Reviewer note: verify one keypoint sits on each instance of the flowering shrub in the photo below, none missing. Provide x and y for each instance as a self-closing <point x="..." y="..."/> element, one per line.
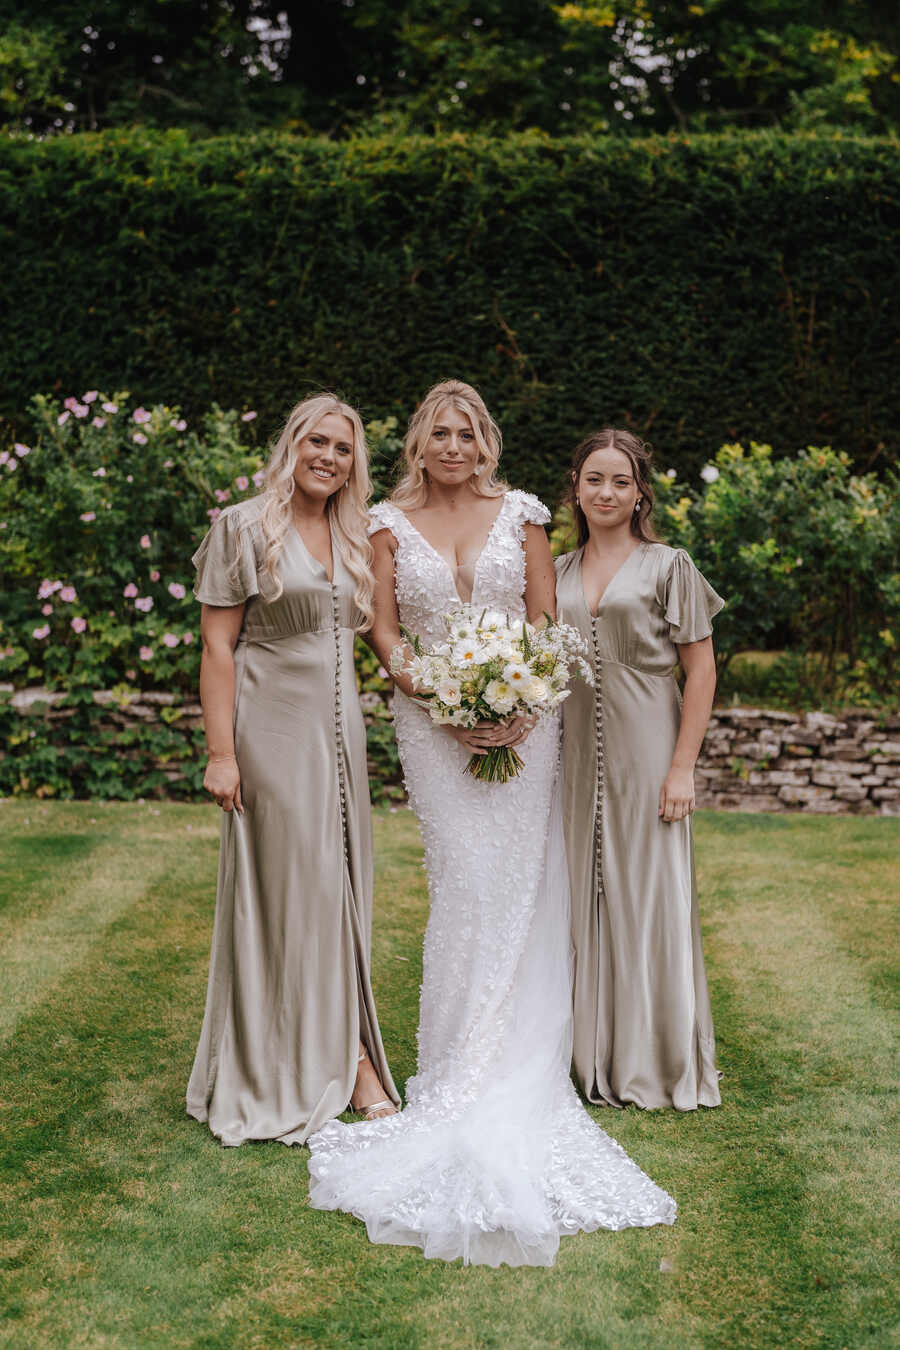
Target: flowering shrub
<point x="99" y="515"/>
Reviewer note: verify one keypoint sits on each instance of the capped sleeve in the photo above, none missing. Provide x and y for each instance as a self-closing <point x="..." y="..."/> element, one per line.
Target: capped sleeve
<point x="382" y="516"/>
<point x="528" y="509"/>
<point x="691" y="603"/>
<point x="226" y="563"/>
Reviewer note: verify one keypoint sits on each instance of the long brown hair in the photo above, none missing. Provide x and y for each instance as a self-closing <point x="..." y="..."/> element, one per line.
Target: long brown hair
<point x="639" y="455"/>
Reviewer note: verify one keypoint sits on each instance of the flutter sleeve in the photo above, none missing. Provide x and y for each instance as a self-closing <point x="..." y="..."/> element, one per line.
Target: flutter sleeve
<point x="691" y="603"/>
<point x="529" y="510"/>
<point x="226" y="563"/>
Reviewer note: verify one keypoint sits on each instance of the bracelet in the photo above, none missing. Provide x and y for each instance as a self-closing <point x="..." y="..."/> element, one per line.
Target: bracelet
<point x="217" y="759"/>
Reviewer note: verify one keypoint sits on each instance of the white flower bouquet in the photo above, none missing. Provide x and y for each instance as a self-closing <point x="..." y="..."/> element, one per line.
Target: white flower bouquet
<point x="490" y="670"/>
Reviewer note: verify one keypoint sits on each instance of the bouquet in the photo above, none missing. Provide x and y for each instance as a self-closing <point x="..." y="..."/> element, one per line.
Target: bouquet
<point x="489" y="670"/>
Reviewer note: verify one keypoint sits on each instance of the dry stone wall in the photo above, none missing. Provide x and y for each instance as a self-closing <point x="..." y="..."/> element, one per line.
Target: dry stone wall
<point x="757" y="759"/>
<point x="753" y="759"/>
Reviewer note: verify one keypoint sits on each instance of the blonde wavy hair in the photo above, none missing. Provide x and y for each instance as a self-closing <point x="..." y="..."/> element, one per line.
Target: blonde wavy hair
<point x="412" y="489"/>
<point x="346" y="509"/>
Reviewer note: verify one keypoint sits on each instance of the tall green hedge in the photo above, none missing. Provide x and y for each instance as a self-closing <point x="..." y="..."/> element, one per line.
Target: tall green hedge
<point x="699" y="289"/>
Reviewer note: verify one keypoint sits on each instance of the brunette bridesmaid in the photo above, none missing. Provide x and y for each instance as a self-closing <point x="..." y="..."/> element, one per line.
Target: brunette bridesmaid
<point x="290" y="1035"/>
<point x="643" y="1025"/>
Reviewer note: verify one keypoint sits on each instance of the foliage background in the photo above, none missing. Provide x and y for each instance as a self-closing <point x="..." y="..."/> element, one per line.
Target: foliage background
<point x="698" y="289"/>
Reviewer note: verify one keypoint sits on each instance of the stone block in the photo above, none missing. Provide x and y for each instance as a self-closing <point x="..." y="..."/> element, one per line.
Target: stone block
<point x="876" y="747"/>
<point x="826" y="806"/>
<point x="803" y="794"/>
<point x="889" y="808"/>
<point x="845" y="746"/>
<point x="761" y="801"/>
<point x="886" y="794"/>
<point x="751" y="749"/>
<point x="871" y="780"/>
<point x="777" y="778"/>
<point x="833" y="725"/>
<point x="800" y="735"/>
<point x="826" y="777"/>
<point x="851" y="792"/>
<point x="798" y="751"/>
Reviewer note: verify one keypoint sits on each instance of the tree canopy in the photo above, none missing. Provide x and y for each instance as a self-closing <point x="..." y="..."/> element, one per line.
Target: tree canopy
<point x="335" y="67"/>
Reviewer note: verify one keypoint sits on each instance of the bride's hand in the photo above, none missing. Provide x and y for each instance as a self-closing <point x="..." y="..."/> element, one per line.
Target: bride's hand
<point x="485" y="736"/>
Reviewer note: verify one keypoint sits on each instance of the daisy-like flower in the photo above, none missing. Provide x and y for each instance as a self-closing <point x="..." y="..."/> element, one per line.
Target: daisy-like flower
<point x="145" y="541"/>
<point x="98" y="421"/>
<point x="46" y="609"/>
<point x="130" y="591"/>
<point x="79" y="624"/>
<point x="110" y="408"/>
<point x="42" y="632"/>
<point x="144" y="603"/>
<point x="90" y="396"/>
<point x="179" y="424"/>
<point x="187" y="639"/>
<point x="22" y="450"/>
<point x="139" y="438"/>
<point x="517" y="674"/>
<point x="99" y="473"/>
<point x="176" y="589"/>
<point x="170" y="640"/>
<point x="242" y="482"/>
<point x="141" y="416"/>
<point x="709" y="473"/>
<point x="68" y="594"/>
<point x="146" y="653"/>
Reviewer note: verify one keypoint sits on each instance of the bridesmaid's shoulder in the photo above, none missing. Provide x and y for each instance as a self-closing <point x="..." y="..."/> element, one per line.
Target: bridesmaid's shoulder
<point x="566" y="561"/>
<point x="243" y="515"/>
<point x="664" y="555"/>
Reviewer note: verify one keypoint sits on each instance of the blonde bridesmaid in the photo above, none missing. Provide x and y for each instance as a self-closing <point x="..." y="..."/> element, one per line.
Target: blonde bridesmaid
<point x="643" y="1025"/>
<point x="290" y="1034"/>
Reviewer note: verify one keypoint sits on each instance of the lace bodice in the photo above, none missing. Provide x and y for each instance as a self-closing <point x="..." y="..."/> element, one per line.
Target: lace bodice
<point x="426" y="590"/>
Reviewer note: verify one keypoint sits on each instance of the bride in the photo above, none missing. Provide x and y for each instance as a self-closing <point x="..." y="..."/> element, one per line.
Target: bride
<point x="494" y="1158"/>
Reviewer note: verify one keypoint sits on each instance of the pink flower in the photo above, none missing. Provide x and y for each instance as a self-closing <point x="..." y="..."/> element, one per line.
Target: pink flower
<point x="99" y="473"/>
<point x="63" y="417"/>
<point x="242" y="483"/>
<point x="188" y="639"/>
<point x="141" y="416"/>
<point x="170" y="640"/>
<point x="98" y="421"/>
<point x="146" y="653"/>
<point x="88" y="516"/>
<point x="130" y="591"/>
<point x="144" y="603"/>
<point x="180" y="424"/>
<point x="154" y="576"/>
<point x="247" y="416"/>
<point x="46" y="609"/>
<point x="139" y="438"/>
<point x="129" y="478"/>
<point x="68" y="594"/>
<point x="79" y="624"/>
<point x="214" y="513"/>
<point x="145" y="541"/>
<point x="42" y="632"/>
<point x="12" y="465"/>
<point x="223" y="495"/>
<point x="4" y="456"/>
<point x="22" y="450"/>
<point x="110" y="407"/>
<point x="90" y="396"/>
<point x="176" y="589"/>
<point x="259" y="477"/>
<point x="81" y="410"/>
<point x="168" y="464"/>
<point x="130" y="674"/>
<point x="47" y="588"/>
<point x="70" y="402"/>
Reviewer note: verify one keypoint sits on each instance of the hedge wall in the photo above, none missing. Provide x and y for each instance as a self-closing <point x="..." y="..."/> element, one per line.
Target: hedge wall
<point x="700" y="289"/>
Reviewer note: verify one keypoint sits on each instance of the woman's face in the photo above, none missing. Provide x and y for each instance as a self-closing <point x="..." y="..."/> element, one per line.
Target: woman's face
<point x="324" y="458"/>
<point x="451" y="452"/>
<point x="607" y="489"/>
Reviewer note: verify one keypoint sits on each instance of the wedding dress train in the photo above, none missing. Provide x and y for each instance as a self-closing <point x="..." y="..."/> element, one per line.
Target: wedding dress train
<point x="494" y="1157"/>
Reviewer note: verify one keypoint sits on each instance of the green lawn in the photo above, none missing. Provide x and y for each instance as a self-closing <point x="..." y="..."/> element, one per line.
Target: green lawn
<point x="124" y="1224"/>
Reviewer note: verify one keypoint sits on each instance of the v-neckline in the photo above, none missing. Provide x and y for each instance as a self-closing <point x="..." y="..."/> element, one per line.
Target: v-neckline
<point x="484" y="547"/>
<point x="317" y="562"/>
<point x="594" y="613"/>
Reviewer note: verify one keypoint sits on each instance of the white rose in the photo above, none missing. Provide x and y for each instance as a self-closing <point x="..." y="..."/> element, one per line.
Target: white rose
<point x="537" y="690"/>
<point x="449" y="691"/>
<point x="500" y="696"/>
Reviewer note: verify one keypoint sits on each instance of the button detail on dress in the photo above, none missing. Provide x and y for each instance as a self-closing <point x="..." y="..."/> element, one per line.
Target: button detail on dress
<point x="598" y="725"/>
<point x="338" y="713"/>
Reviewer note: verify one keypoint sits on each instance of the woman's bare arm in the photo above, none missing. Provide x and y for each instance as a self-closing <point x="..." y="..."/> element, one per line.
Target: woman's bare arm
<point x="220" y="629"/>
<point x="540" y="577"/>
<point x="676" y="798"/>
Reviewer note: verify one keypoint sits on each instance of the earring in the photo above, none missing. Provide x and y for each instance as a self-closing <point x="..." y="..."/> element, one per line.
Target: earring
<point x="577" y="501"/>
<point x="479" y="469"/>
<point x="637" y="505"/>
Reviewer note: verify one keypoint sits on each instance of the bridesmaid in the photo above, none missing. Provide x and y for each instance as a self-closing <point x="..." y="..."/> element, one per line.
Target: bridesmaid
<point x="290" y="1034"/>
<point x="643" y="1025"/>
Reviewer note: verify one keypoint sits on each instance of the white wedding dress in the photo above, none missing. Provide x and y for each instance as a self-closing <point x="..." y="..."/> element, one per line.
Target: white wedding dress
<point x="494" y="1157"/>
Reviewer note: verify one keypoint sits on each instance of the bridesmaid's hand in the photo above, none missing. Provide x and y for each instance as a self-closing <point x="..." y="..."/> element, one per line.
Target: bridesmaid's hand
<point x="676" y="798"/>
<point x="223" y="780"/>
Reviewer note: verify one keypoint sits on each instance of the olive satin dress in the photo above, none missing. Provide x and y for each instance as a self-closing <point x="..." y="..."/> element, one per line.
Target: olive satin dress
<point x="643" y="1025"/>
<point x="289" y="994"/>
